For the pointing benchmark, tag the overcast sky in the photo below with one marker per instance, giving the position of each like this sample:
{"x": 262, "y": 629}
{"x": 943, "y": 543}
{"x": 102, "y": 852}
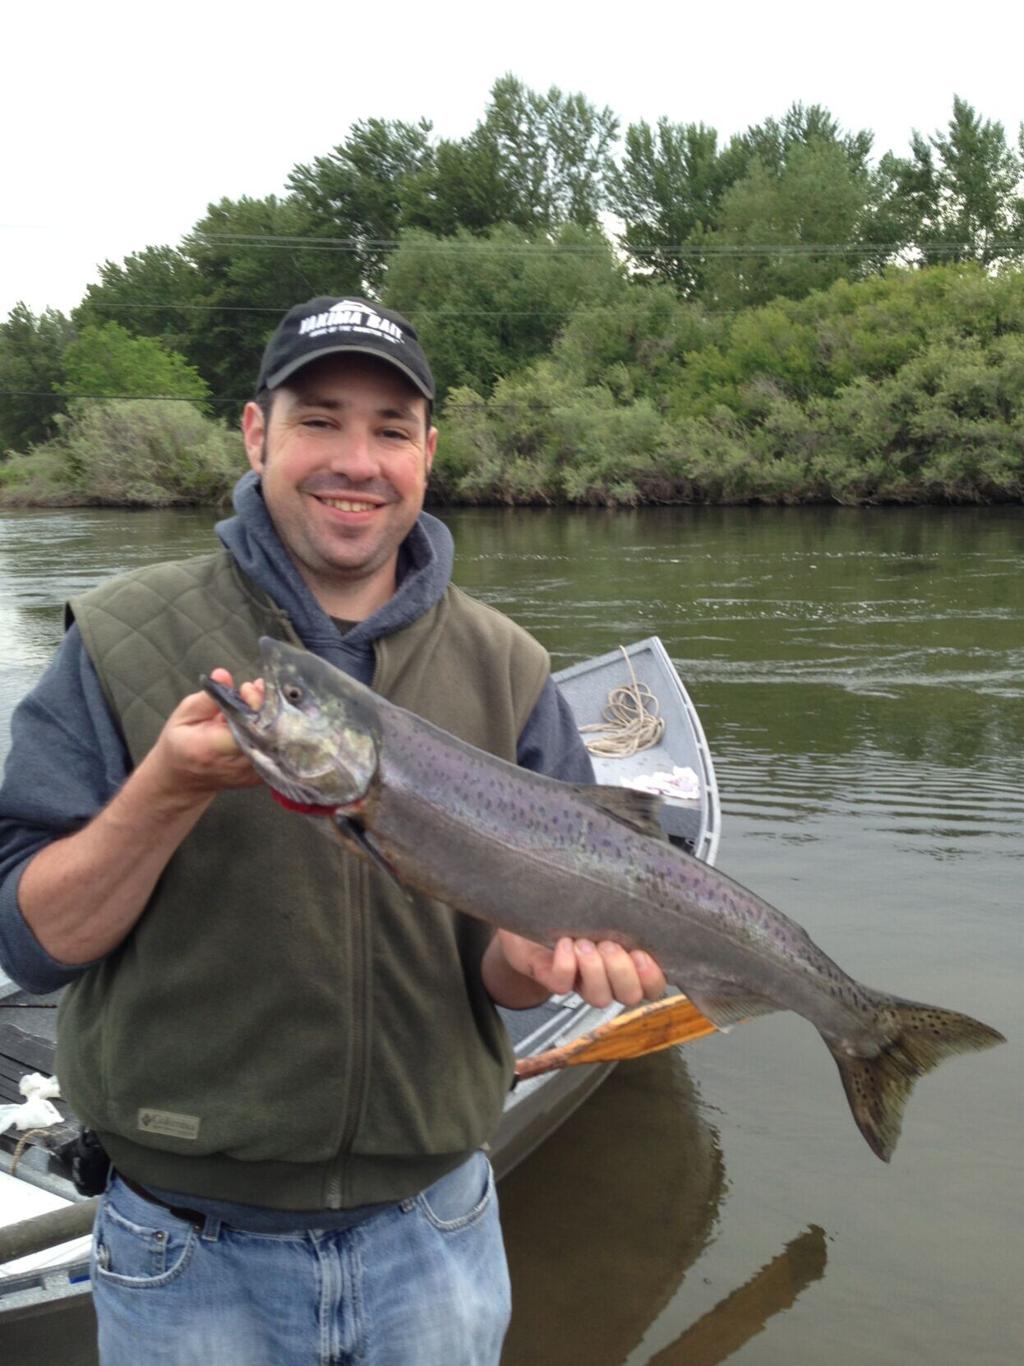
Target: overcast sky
{"x": 121, "y": 122}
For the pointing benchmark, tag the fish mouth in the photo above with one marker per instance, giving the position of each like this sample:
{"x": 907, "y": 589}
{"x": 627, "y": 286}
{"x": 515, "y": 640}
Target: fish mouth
{"x": 290, "y": 739}
{"x": 253, "y": 730}
{"x": 252, "y": 727}
{"x": 231, "y": 703}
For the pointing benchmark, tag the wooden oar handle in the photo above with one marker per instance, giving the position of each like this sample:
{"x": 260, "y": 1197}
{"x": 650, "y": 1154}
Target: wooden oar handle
{"x": 648, "y": 1028}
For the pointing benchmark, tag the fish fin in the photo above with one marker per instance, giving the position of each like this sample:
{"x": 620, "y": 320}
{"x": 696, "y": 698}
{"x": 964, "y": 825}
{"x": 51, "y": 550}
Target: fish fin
{"x": 877, "y": 1088}
{"x": 638, "y": 810}
{"x": 726, "y": 1008}
{"x": 357, "y": 841}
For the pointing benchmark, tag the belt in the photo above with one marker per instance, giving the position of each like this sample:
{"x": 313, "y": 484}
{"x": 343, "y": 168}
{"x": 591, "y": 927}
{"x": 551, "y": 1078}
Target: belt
{"x": 191, "y": 1216}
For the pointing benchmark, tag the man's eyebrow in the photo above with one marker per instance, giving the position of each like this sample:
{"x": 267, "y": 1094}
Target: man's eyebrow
{"x": 403, "y": 411}
{"x": 311, "y": 400}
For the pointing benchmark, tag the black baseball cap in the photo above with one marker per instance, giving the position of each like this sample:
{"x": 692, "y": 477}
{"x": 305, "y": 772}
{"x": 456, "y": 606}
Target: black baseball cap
{"x": 326, "y": 326}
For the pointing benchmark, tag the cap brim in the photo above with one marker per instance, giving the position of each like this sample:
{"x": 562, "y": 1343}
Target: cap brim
{"x": 286, "y": 371}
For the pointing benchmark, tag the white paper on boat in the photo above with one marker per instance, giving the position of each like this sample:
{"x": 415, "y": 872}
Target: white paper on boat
{"x": 36, "y": 1112}
{"x": 681, "y": 783}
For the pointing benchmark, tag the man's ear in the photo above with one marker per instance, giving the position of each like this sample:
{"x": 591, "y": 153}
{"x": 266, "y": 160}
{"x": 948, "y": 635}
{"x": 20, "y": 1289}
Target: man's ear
{"x": 430, "y": 448}
{"x": 253, "y": 433}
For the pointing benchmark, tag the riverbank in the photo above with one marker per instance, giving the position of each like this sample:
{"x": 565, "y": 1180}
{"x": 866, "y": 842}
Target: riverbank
{"x": 943, "y": 426}
{"x": 662, "y": 497}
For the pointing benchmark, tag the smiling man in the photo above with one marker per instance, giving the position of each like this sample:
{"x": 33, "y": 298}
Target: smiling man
{"x": 293, "y": 1065}
{"x": 344, "y": 451}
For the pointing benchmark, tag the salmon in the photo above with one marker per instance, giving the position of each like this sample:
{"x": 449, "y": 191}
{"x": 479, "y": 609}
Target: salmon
{"x": 545, "y": 859}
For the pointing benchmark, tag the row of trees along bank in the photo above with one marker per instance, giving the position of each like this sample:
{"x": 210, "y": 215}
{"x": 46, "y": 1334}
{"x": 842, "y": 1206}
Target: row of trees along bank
{"x": 659, "y": 315}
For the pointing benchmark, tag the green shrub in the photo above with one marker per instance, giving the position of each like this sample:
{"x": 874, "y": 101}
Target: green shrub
{"x": 33, "y": 480}
{"x": 138, "y": 453}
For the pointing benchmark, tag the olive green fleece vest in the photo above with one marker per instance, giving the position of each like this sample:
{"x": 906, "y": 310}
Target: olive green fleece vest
{"x": 284, "y": 1026}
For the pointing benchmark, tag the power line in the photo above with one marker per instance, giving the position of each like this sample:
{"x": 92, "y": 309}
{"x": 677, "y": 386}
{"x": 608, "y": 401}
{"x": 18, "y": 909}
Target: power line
{"x": 433, "y": 313}
{"x": 170, "y": 305}
{"x": 486, "y": 402}
{"x": 281, "y": 241}
{"x": 130, "y": 398}
{"x": 449, "y": 309}
{"x": 275, "y": 242}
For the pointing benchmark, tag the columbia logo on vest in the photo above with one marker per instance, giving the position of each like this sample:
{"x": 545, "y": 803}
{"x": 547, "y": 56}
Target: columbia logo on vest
{"x": 168, "y": 1123}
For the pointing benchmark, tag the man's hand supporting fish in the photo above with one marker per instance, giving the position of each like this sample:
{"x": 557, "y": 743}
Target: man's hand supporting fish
{"x": 520, "y": 973}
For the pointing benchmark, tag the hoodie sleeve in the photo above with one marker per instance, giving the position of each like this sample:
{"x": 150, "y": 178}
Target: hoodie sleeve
{"x": 67, "y": 760}
{"x": 550, "y": 742}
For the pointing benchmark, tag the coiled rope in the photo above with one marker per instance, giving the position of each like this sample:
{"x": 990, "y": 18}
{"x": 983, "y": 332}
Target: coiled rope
{"x": 23, "y": 1143}
{"x": 630, "y": 720}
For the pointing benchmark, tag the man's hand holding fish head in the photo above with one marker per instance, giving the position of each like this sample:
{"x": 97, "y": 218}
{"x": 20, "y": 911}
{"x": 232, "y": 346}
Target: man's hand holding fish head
{"x": 519, "y": 973}
{"x": 196, "y": 755}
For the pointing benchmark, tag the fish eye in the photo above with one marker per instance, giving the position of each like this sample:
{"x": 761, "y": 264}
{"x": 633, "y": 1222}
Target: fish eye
{"x": 292, "y": 693}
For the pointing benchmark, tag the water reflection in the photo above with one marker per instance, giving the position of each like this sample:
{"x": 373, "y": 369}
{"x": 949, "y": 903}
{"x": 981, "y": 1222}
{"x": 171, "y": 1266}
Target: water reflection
{"x": 732, "y": 1323}
{"x": 602, "y": 1222}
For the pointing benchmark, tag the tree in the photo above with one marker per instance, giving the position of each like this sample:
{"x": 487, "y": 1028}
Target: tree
{"x": 535, "y": 160}
{"x": 142, "y": 453}
{"x": 254, "y": 258}
{"x": 772, "y": 143}
{"x": 553, "y": 150}
{"x": 957, "y": 197}
{"x": 108, "y": 362}
{"x": 460, "y": 187}
{"x": 31, "y": 373}
{"x": 360, "y": 192}
{"x": 679, "y": 194}
{"x": 668, "y": 192}
{"x": 634, "y": 346}
{"x": 484, "y": 306}
{"x": 789, "y": 231}
{"x": 155, "y": 292}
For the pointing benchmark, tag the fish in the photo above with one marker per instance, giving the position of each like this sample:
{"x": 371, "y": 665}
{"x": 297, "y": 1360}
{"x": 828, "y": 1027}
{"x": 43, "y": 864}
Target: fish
{"x": 544, "y": 859}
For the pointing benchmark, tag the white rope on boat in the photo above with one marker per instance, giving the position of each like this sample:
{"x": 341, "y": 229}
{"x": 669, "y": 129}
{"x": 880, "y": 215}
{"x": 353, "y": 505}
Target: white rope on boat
{"x": 630, "y": 719}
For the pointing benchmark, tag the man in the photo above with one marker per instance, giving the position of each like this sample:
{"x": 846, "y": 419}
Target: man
{"x": 292, "y": 1068}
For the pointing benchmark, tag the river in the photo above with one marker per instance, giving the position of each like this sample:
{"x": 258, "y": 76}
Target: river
{"x": 860, "y": 676}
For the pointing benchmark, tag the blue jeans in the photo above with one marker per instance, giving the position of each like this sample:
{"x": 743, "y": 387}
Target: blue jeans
{"x": 421, "y": 1283}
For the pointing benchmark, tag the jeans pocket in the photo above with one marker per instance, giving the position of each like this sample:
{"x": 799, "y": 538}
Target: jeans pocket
{"x": 131, "y": 1254}
{"x": 461, "y": 1197}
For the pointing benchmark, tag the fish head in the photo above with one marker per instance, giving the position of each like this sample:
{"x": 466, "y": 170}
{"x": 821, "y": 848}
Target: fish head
{"x": 315, "y": 740}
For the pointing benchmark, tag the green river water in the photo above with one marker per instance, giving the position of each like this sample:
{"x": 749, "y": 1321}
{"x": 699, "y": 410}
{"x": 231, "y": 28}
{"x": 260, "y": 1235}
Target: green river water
{"x": 860, "y": 676}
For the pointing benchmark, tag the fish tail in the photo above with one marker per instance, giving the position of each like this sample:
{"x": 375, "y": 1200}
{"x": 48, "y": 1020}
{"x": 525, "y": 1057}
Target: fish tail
{"x": 918, "y": 1037}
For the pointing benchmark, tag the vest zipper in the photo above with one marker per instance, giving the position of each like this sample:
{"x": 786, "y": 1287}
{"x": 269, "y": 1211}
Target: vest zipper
{"x": 358, "y": 1079}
